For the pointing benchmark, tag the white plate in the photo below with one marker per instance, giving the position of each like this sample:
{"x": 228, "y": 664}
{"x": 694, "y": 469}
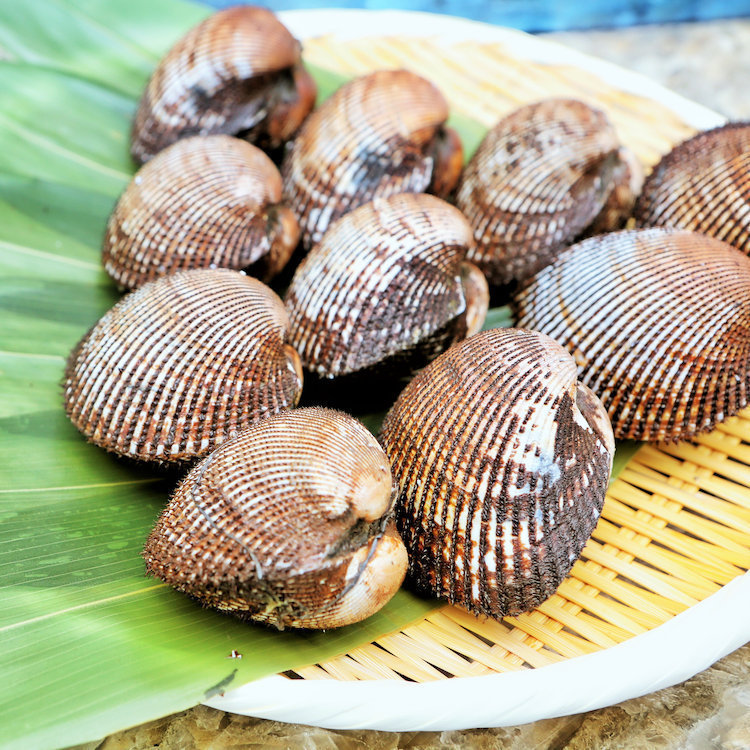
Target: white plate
{"x": 660, "y": 657}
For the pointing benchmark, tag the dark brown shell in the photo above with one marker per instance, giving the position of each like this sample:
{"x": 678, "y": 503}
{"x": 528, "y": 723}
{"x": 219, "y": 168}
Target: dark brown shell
{"x": 538, "y": 178}
{"x": 627, "y": 179}
{"x": 703, "y": 184}
{"x": 203, "y": 202}
{"x": 658, "y": 321}
{"x": 385, "y": 283}
{"x": 502, "y": 460}
{"x": 182, "y": 364}
{"x": 376, "y": 136}
{"x": 239, "y": 71}
{"x": 287, "y": 524}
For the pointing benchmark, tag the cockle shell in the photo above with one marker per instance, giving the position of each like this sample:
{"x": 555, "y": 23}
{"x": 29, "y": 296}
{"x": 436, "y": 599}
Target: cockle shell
{"x": 287, "y": 524}
{"x": 378, "y": 135}
{"x": 182, "y": 364}
{"x": 502, "y": 460}
{"x": 703, "y": 184}
{"x": 386, "y": 286}
{"x": 658, "y": 321}
{"x": 538, "y": 178}
{"x": 237, "y": 72}
{"x": 203, "y": 202}
{"x": 627, "y": 183}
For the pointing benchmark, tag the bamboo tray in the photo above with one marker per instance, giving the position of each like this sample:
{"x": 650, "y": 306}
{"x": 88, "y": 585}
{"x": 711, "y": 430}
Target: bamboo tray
{"x": 662, "y": 588}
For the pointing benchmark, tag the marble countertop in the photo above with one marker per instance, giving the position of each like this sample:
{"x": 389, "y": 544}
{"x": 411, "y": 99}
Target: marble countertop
{"x": 709, "y": 63}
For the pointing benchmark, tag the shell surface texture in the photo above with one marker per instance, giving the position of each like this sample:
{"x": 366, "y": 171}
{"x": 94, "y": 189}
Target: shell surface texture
{"x": 237, "y": 72}
{"x": 628, "y": 177}
{"x": 538, "y": 178}
{"x": 378, "y": 135}
{"x": 182, "y": 364}
{"x": 658, "y": 321}
{"x": 288, "y": 524}
{"x": 502, "y": 460}
{"x": 203, "y": 202}
{"x": 386, "y": 289}
{"x": 703, "y": 184}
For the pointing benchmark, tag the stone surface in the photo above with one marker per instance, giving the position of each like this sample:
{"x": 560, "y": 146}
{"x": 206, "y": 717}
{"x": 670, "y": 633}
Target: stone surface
{"x": 706, "y": 62}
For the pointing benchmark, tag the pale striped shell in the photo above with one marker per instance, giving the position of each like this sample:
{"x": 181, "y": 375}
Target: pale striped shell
{"x": 502, "y": 460}
{"x": 537, "y": 180}
{"x": 703, "y": 184}
{"x": 658, "y": 321}
{"x": 203, "y": 202}
{"x": 180, "y": 365}
{"x": 385, "y": 287}
{"x": 378, "y": 135}
{"x": 237, "y": 72}
{"x": 287, "y": 524}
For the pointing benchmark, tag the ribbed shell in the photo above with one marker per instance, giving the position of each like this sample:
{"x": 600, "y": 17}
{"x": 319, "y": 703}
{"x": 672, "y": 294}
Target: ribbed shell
{"x": 370, "y": 139}
{"x": 703, "y": 184}
{"x": 627, "y": 179}
{"x": 502, "y": 461}
{"x": 384, "y": 280}
{"x": 658, "y": 321}
{"x": 226, "y": 75}
{"x": 180, "y": 365}
{"x": 286, "y": 524}
{"x": 211, "y": 201}
{"x": 538, "y": 178}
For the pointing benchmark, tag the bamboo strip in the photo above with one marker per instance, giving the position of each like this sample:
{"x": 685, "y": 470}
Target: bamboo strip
{"x": 702, "y": 528}
{"x": 406, "y": 663}
{"x": 687, "y": 574}
{"x": 734, "y": 519}
{"x": 708, "y": 555}
{"x": 704, "y": 456}
{"x": 701, "y": 476}
{"x": 647, "y": 578}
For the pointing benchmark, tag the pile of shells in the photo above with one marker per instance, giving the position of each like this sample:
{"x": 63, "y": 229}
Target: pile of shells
{"x": 498, "y": 452}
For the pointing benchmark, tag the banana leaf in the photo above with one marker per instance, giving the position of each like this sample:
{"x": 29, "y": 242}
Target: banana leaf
{"x": 88, "y": 644}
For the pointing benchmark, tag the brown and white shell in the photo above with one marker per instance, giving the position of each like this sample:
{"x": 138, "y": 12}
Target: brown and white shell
{"x": 237, "y": 72}
{"x": 658, "y": 322}
{"x": 502, "y": 460}
{"x": 703, "y": 184}
{"x": 537, "y": 180}
{"x": 387, "y": 286}
{"x": 288, "y": 524}
{"x": 181, "y": 365}
{"x": 627, "y": 183}
{"x": 203, "y": 202}
{"x": 378, "y": 135}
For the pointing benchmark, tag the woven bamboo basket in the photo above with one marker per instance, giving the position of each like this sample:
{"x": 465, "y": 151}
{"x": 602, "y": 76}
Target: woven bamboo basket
{"x": 669, "y": 553}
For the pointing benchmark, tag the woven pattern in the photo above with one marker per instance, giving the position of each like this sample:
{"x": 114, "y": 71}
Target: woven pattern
{"x": 676, "y": 522}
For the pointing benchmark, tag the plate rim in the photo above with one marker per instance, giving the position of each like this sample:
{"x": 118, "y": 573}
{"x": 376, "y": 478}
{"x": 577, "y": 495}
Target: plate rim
{"x": 358, "y": 23}
{"x": 573, "y": 685}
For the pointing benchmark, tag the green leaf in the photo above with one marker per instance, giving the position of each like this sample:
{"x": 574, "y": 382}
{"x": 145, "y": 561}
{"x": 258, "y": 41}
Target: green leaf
{"x": 88, "y": 644}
